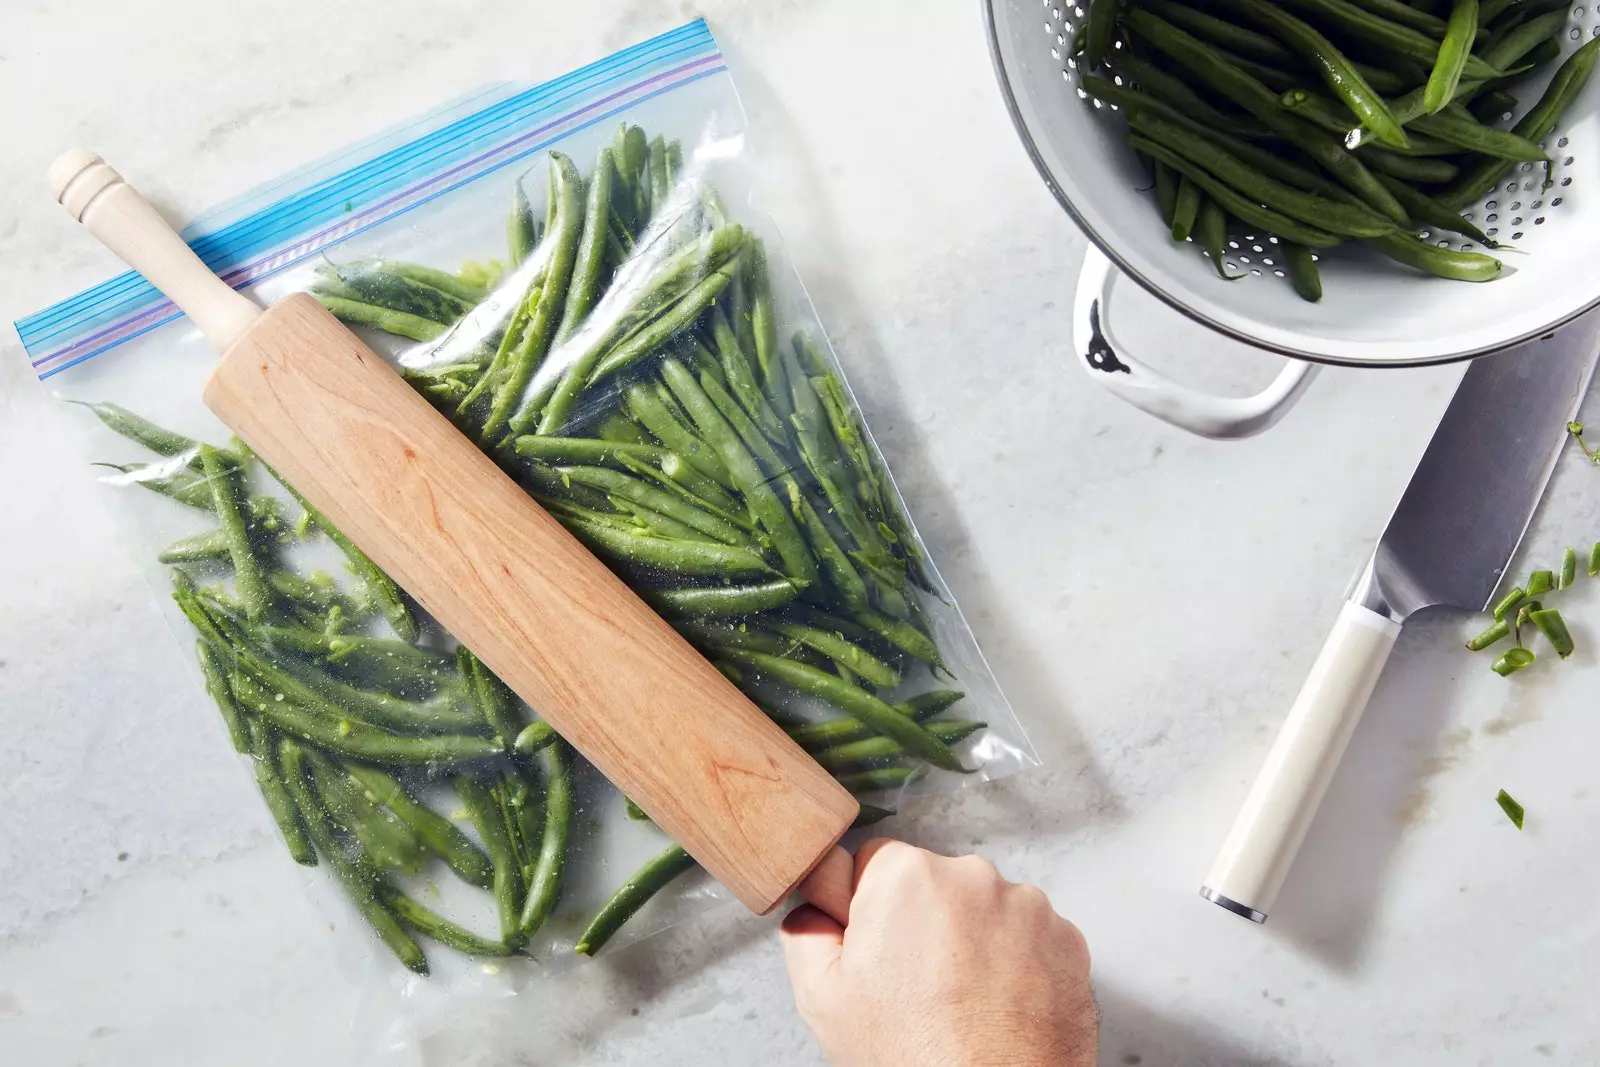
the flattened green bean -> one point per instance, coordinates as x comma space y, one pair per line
724, 600
249, 581
269, 779
360, 882
216, 682
386, 840
643, 884
639, 492
694, 558
544, 888
495, 832
427, 922
864, 707
437, 833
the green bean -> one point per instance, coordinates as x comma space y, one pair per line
187, 489
386, 840
442, 930
1212, 229
521, 228
1512, 661
724, 600
495, 833
1242, 207
1166, 193
1411, 168
1341, 78
535, 736
1536, 125
564, 450
1463, 130
901, 634
1335, 218
650, 407
747, 476
703, 558
1398, 11
359, 313
1594, 561
832, 559
741, 378
1569, 569
660, 183
1176, 93
142, 431
1540, 582
863, 707
1442, 262
408, 662
632, 489
878, 780
1520, 41
1493, 106
1185, 209
714, 637
216, 682
1498, 630
1263, 104
657, 524
643, 884
382, 284
1555, 630
1334, 117
678, 477
513, 400
585, 287
317, 595
1362, 25
1452, 58
544, 888
379, 585
1303, 273
874, 750
672, 322
1427, 211
438, 834
361, 883
356, 739
834, 645
269, 779
200, 548
1503, 606
1242, 42
815, 736
249, 581
494, 700
764, 330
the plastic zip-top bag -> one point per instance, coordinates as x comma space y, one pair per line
574, 274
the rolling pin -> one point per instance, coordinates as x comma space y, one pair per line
463, 540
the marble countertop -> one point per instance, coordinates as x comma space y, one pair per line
1150, 601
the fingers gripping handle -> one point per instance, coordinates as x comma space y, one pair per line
831, 884
113, 210
1261, 847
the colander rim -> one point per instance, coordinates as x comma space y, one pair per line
1031, 146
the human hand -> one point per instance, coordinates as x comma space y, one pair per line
944, 964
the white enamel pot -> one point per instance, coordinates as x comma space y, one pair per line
1374, 312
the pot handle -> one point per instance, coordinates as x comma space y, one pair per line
1206, 414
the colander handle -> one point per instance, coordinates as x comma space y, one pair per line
1206, 414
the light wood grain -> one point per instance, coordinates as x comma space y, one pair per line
113, 211
547, 616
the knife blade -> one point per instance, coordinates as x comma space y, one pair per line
1448, 544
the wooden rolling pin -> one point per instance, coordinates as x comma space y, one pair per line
503, 576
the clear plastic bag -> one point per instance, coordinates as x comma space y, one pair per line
630, 343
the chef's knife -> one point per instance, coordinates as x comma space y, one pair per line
1447, 545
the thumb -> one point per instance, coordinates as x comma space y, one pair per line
812, 944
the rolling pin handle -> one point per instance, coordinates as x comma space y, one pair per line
97, 196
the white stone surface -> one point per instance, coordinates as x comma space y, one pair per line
1150, 601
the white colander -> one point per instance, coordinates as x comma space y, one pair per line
1374, 311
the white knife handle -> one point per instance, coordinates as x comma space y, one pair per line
1261, 847
113, 210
